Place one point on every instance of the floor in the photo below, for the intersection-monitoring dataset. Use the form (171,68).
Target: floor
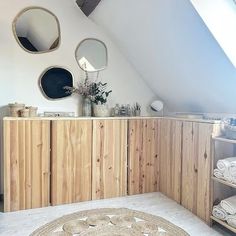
(24,222)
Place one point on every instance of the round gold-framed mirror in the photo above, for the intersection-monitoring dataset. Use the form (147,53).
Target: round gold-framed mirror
(37,30)
(91,55)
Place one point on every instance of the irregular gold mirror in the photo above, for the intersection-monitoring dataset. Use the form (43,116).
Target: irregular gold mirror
(91,55)
(37,30)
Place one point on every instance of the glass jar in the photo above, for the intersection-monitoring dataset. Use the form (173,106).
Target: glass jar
(117,110)
(87,107)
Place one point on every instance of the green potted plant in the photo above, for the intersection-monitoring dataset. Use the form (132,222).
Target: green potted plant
(99,99)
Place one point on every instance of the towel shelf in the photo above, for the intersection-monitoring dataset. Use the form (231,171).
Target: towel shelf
(228,149)
(224,224)
(224,182)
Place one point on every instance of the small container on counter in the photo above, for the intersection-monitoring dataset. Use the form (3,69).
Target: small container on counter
(25,112)
(15,109)
(33,111)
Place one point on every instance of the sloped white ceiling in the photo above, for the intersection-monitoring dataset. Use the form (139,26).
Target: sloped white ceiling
(173,50)
(220,18)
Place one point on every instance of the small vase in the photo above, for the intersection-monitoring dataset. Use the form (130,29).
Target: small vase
(101,110)
(87,107)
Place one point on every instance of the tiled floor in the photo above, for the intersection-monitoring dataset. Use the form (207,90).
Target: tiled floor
(24,222)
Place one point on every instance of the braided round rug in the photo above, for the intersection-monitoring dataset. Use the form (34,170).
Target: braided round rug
(110,221)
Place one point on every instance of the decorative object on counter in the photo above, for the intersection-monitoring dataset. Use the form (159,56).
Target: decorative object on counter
(99,99)
(157,106)
(87,107)
(33,111)
(20,110)
(136,109)
(93,93)
(58,114)
(52,83)
(25,112)
(86,90)
(116,110)
(101,110)
(91,55)
(123,110)
(31,29)
(15,109)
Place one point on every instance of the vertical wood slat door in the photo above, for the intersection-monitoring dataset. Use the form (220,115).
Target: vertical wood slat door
(26,164)
(196,168)
(71,161)
(171,158)
(143,156)
(109,172)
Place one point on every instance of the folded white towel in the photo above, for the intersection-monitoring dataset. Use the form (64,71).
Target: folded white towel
(229,205)
(224,164)
(228,177)
(218,174)
(232,169)
(219,213)
(231,220)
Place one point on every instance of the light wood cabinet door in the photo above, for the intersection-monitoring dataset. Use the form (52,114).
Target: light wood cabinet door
(196,168)
(71,161)
(26,164)
(109,172)
(143,156)
(171,158)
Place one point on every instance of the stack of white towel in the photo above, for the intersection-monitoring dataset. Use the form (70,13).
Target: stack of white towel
(226,211)
(226,170)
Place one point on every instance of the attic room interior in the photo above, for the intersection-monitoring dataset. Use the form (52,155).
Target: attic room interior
(118,118)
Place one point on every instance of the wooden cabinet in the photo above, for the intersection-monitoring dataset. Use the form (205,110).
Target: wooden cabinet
(185,164)
(71,161)
(196,168)
(171,158)
(143,156)
(26,164)
(109,175)
(104,158)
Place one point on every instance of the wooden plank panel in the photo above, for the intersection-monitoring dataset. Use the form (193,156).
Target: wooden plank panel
(196,168)
(109,174)
(204,172)
(71,161)
(189,166)
(171,159)
(26,148)
(143,156)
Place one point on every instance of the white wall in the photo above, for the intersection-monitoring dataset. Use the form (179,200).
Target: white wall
(170,46)
(19,71)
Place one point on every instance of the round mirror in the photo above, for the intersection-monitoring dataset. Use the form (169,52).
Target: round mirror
(53,82)
(91,55)
(37,30)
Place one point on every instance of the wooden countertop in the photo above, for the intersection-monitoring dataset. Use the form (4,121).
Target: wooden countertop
(114,118)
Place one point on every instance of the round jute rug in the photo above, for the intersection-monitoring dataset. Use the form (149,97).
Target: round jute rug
(110,221)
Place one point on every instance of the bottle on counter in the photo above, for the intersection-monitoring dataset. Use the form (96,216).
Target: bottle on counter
(117,110)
